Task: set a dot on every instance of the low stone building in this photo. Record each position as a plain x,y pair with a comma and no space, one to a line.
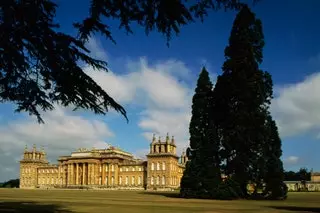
311,186
105,168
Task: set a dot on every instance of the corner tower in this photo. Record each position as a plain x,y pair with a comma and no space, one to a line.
32,159
162,164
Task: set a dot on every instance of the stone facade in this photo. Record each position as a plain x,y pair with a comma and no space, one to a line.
110,168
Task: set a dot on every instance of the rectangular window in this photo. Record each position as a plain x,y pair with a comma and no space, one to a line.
112,168
112,180
133,169
133,181
120,169
139,180
120,180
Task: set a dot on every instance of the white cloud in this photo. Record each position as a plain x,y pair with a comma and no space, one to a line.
61,134
297,107
96,50
291,160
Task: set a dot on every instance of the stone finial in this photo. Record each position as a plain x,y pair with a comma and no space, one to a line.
34,147
153,138
172,140
26,148
167,138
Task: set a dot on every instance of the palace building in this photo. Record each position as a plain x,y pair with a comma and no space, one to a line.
105,168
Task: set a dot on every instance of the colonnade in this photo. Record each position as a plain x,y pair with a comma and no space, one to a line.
85,173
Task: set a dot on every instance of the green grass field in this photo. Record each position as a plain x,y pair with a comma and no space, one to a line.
68,201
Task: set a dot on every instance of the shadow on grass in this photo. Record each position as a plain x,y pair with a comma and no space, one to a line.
30,207
297,208
165,194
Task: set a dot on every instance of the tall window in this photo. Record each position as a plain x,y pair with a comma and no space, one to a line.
112,180
112,168
120,169
107,180
152,180
139,180
133,169
100,181
158,166
106,167
120,180
133,181
100,169
127,169
163,166
152,166
127,180
158,180
163,180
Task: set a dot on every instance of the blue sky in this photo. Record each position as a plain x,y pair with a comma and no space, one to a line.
155,84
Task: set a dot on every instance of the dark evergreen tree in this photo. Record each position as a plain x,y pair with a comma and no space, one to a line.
202,176
242,95
274,174
39,65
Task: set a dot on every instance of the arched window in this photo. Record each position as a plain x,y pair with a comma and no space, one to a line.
152,166
158,180
158,166
163,166
163,180
152,180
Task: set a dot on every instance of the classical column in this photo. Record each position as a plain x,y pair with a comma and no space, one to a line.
83,173
88,175
68,174
77,174
103,174
109,174
71,176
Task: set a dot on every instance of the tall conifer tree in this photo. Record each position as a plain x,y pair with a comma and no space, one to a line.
274,173
202,175
242,95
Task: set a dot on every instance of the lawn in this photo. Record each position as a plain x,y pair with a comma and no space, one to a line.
68,201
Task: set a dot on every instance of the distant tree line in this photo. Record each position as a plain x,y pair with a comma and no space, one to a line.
302,175
13,183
